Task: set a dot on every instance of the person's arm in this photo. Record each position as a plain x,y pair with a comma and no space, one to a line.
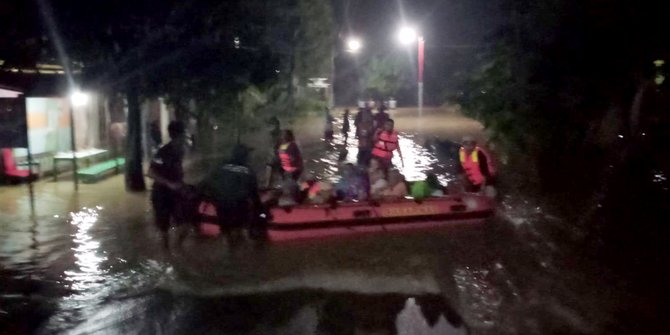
155,175
295,153
402,161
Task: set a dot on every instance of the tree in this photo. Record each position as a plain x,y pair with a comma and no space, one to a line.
385,75
148,51
560,83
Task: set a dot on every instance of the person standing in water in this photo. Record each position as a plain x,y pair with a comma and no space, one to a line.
386,142
167,172
273,164
290,156
477,167
345,124
233,188
328,130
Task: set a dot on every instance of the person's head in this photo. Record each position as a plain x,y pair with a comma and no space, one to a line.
468,143
176,130
240,154
287,136
346,111
388,125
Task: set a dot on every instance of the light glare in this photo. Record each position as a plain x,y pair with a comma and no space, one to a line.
354,45
79,99
407,35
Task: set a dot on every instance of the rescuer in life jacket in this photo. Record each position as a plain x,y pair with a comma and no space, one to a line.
386,141
477,168
290,156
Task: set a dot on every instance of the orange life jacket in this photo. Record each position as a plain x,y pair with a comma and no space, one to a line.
286,159
470,164
385,144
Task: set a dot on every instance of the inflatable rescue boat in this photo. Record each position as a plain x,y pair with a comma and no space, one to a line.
312,221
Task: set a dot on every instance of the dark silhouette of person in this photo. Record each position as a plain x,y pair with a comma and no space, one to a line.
167,172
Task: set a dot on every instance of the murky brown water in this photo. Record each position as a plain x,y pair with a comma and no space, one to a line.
92,263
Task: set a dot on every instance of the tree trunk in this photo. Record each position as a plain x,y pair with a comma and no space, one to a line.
134,175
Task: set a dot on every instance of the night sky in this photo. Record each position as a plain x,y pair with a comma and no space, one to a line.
455,32
443,23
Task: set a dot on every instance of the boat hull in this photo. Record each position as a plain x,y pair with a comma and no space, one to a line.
314,221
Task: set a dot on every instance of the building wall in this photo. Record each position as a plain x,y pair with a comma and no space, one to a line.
48,125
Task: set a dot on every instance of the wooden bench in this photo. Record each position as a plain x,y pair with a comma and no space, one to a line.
94,172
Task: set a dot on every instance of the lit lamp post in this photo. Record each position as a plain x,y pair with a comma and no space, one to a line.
354,45
406,36
77,99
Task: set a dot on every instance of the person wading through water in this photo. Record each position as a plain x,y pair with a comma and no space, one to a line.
290,156
167,172
386,141
477,169
233,189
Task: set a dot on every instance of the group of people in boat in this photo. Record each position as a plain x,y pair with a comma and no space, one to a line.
233,189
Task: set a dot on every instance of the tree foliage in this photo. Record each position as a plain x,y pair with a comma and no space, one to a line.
211,60
386,74
560,83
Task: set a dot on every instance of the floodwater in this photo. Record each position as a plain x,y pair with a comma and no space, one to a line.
91,263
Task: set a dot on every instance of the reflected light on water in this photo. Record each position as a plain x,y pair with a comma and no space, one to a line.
88,260
418,159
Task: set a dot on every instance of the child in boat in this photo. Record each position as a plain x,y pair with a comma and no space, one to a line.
352,185
314,191
397,187
430,187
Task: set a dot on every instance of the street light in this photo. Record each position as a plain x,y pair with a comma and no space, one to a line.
354,45
77,99
407,35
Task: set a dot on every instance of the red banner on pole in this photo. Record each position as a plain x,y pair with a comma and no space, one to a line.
420,74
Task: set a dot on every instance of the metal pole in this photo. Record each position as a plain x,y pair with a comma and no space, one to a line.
30,181
420,75
74,149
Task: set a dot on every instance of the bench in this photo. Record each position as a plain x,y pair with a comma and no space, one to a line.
94,172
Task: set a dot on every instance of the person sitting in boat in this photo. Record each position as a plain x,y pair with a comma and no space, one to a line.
376,178
314,191
430,187
352,184
477,169
397,186
233,189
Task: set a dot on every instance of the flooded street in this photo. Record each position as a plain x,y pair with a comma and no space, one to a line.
91,262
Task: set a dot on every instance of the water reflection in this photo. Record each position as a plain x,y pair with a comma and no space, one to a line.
418,159
89,274
481,298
